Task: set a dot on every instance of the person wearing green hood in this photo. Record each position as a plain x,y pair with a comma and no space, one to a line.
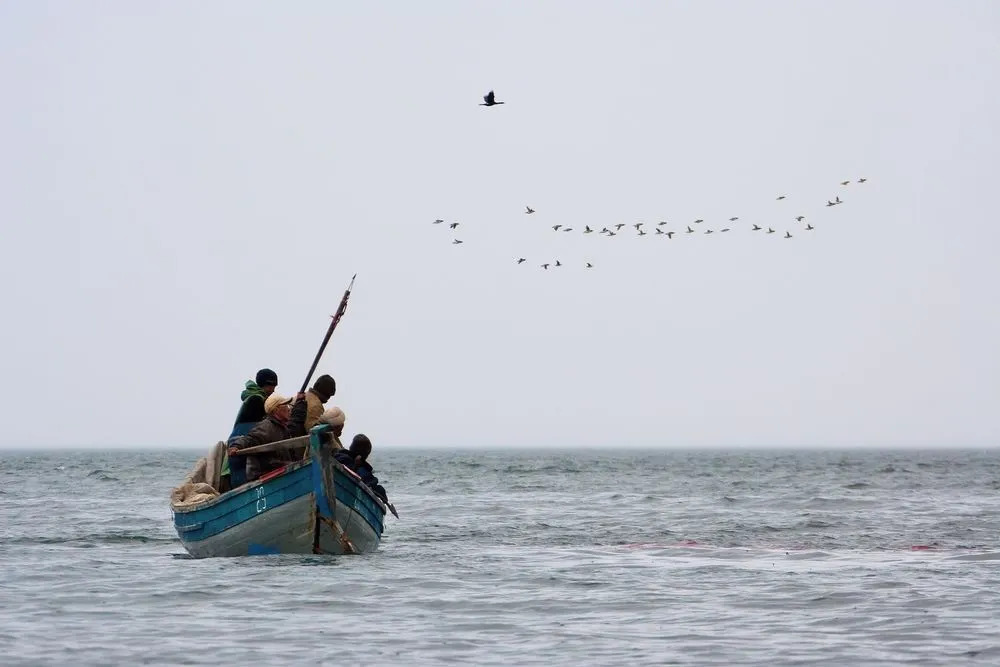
251,412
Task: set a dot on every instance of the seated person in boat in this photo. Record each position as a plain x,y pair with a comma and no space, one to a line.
335,419
255,392
322,391
282,422
356,458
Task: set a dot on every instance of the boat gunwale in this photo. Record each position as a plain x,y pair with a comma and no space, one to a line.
289,468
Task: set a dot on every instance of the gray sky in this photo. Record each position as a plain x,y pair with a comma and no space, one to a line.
186,189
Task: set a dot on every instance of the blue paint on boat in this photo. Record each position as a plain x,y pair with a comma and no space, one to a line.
262,550
301,482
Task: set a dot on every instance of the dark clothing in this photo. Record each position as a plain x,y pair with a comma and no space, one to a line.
364,470
250,414
272,430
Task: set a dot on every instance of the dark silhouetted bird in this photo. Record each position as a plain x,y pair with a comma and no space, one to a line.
589,265
661,223
587,229
521,260
829,203
698,221
725,229
709,231
545,266
453,225
619,226
837,200
529,210
657,230
810,227
690,231
556,227
437,222
637,226
800,218
605,230
558,263
862,180
770,231
756,228
610,234
670,235
845,182
733,219
642,233
567,229
788,235
489,100
456,242
780,197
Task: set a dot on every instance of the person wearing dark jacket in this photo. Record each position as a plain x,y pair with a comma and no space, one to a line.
251,413
283,422
356,458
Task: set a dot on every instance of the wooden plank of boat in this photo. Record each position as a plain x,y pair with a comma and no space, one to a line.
291,443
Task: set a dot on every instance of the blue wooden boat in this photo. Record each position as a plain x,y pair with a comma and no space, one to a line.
315,506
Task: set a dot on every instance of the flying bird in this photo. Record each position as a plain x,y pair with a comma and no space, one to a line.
788,235
780,197
521,260
657,230
437,222
556,227
619,226
829,203
837,201
637,226
642,233
698,221
845,182
733,219
545,266
800,218
770,231
725,229
453,225
756,228
587,229
567,229
690,231
670,235
489,99
589,265
610,234
862,180
709,231
529,210
558,263
661,223
810,227
605,230
456,242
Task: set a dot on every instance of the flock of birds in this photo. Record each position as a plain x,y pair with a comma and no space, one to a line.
659,229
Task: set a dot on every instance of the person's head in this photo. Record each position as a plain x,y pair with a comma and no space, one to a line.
336,418
267,380
278,406
361,446
325,387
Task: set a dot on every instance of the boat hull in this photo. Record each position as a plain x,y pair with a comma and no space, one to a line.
311,507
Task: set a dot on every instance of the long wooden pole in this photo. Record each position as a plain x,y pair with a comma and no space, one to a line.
329,332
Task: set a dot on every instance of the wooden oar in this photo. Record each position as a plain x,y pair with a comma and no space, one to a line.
341,309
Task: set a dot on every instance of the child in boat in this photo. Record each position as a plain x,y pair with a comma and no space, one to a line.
356,458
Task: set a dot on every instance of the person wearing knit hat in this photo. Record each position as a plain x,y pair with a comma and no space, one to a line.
335,418
356,458
255,393
322,391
